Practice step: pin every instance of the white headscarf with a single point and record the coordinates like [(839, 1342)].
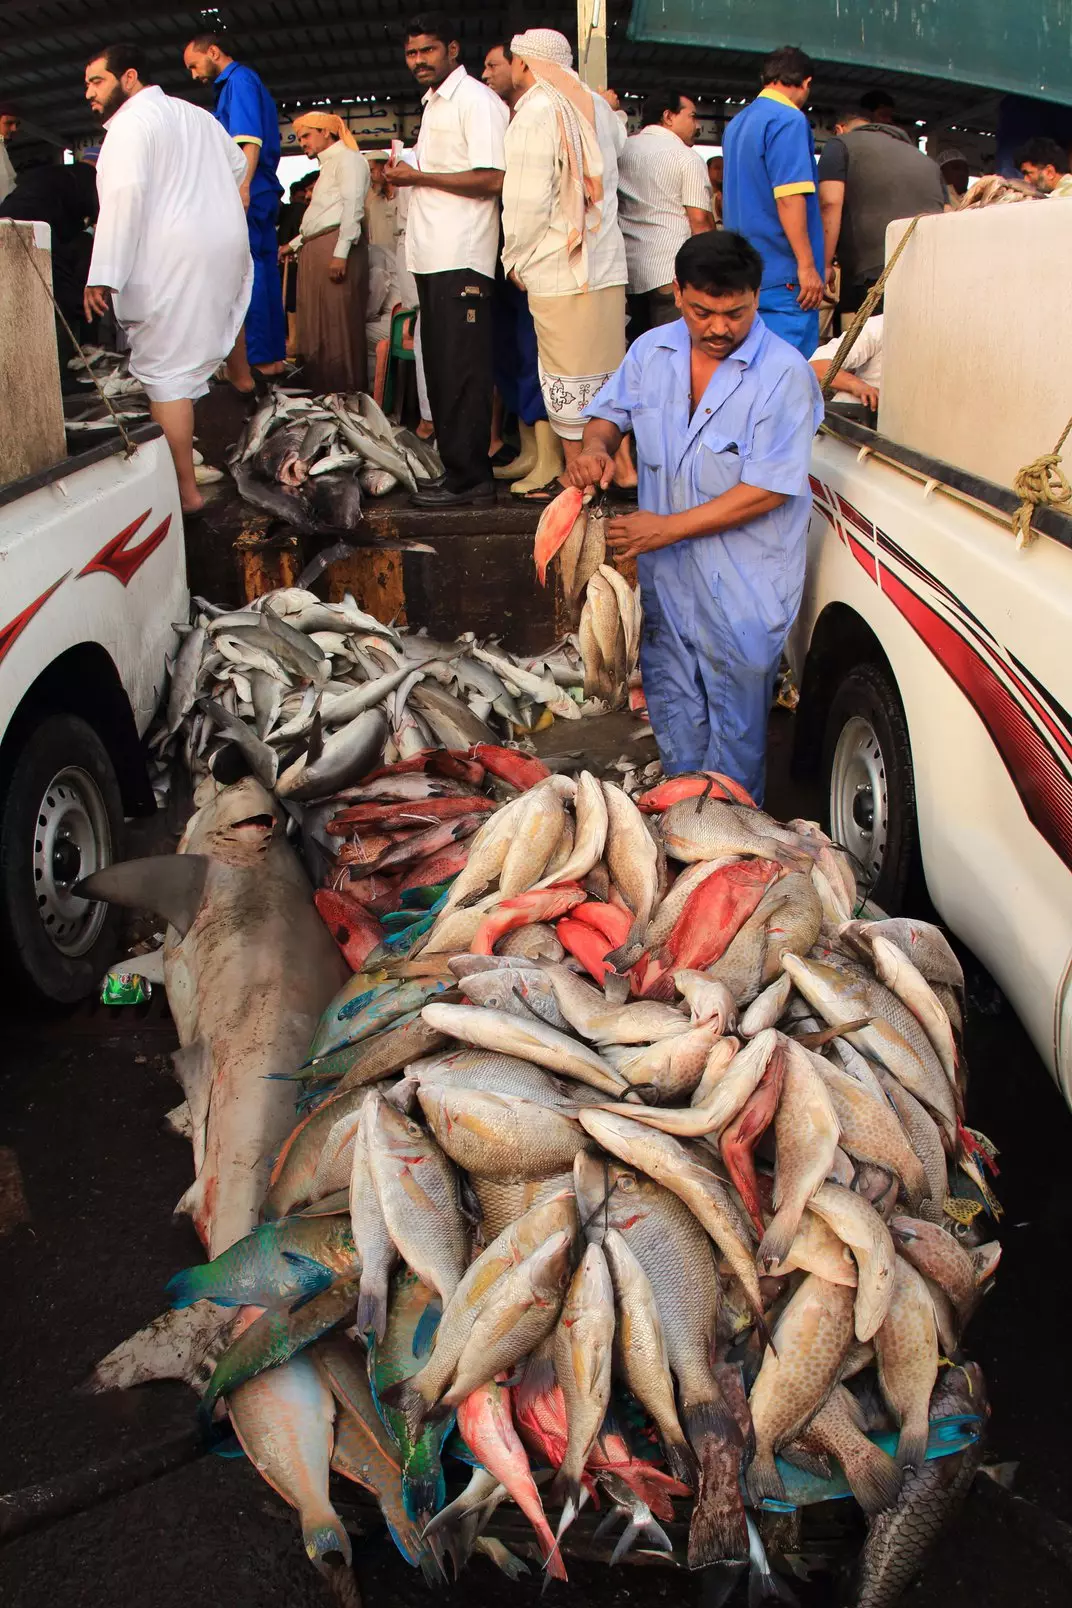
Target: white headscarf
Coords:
[(548, 57)]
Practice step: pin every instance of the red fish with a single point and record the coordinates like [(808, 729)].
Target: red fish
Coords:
[(556, 522), (541, 1422), (693, 784), (715, 912), (368, 891), (738, 1142), (418, 813), (488, 1429), (613, 921), (436, 868), (428, 841), (356, 932), (539, 904), (586, 944), (520, 770)]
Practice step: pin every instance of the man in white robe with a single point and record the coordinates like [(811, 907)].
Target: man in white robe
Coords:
[(171, 244)]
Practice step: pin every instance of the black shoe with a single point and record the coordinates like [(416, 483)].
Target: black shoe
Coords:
[(441, 496)]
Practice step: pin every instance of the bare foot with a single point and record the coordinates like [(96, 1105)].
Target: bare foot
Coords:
[(426, 430), (270, 368), (495, 446)]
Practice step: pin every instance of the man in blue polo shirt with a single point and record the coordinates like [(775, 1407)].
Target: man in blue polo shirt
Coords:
[(723, 412), (248, 113), (770, 196)]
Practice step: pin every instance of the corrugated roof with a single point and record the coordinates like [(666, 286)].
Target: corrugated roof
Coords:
[(315, 50)]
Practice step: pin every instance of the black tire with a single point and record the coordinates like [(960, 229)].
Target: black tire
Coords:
[(56, 948), (868, 784)]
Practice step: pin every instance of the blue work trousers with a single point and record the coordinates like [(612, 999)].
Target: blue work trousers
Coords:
[(784, 315), (709, 654), (266, 322), (517, 372)]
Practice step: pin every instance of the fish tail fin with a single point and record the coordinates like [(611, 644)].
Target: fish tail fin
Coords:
[(717, 1530), (781, 1232), (326, 1540), (567, 1489), (423, 1493), (875, 1480), (764, 1585), (682, 1462), (181, 1344), (371, 1316), (406, 1398), (912, 1444), (763, 1479)]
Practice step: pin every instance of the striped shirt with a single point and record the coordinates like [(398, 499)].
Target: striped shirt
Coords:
[(534, 224), (658, 177)]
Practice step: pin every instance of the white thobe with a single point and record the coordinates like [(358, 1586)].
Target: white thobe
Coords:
[(7, 172), (171, 241)]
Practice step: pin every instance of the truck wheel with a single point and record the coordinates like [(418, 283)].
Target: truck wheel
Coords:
[(871, 796), (60, 819)]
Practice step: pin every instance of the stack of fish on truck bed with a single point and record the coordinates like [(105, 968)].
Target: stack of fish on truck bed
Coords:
[(642, 1178)]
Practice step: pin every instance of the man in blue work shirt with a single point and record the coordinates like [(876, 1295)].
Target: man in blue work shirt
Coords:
[(248, 113), (723, 412), (770, 196)]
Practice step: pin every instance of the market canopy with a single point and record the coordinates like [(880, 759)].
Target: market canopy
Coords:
[(317, 50), (998, 44)]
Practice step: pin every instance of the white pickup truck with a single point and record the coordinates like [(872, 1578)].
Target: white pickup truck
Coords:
[(92, 574), (933, 660)]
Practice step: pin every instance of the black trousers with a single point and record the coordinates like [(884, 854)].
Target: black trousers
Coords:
[(456, 340)]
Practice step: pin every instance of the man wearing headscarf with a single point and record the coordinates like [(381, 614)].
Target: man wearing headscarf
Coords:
[(561, 240), (333, 283)]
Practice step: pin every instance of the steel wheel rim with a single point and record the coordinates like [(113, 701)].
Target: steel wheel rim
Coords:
[(72, 838), (859, 796)]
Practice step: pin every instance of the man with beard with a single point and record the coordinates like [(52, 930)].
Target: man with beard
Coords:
[(724, 412), (170, 246)]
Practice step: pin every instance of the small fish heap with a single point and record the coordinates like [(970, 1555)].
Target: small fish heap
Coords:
[(111, 374), (572, 528), (313, 695), (307, 459), (642, 1178)]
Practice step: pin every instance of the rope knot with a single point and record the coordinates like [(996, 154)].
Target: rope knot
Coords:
[(1040, 484)]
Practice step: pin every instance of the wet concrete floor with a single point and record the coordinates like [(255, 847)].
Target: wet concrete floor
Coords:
[(90, 1166)]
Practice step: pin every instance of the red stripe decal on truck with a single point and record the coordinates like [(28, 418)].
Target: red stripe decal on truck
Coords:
[(122, 562), (14, 628), (1037, 773)]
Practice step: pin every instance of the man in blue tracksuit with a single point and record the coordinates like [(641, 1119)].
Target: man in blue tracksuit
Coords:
[(248, 113), (724, 413), (771, 197)]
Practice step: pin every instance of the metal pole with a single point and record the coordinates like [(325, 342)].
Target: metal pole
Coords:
[(592, 42)]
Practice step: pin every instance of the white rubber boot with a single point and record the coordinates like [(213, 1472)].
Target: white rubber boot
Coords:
[(525, 461), (550, 461)]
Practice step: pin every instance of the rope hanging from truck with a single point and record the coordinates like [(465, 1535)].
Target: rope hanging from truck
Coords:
[(127, 442), (867, 307)]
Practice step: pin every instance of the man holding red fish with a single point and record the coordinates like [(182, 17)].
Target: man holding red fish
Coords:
[(723, 412)]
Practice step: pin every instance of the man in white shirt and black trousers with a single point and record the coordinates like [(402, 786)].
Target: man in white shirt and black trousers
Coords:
[(452, 241)]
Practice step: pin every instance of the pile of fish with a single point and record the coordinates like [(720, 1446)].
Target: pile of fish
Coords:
[(308, 459), (642, 1179), (315, 695), (107, 373), (572, 527)]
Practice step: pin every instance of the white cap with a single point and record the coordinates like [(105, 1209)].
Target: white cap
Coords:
[(542, 44)]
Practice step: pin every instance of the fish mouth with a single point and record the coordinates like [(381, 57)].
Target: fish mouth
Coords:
[(255, 823)]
